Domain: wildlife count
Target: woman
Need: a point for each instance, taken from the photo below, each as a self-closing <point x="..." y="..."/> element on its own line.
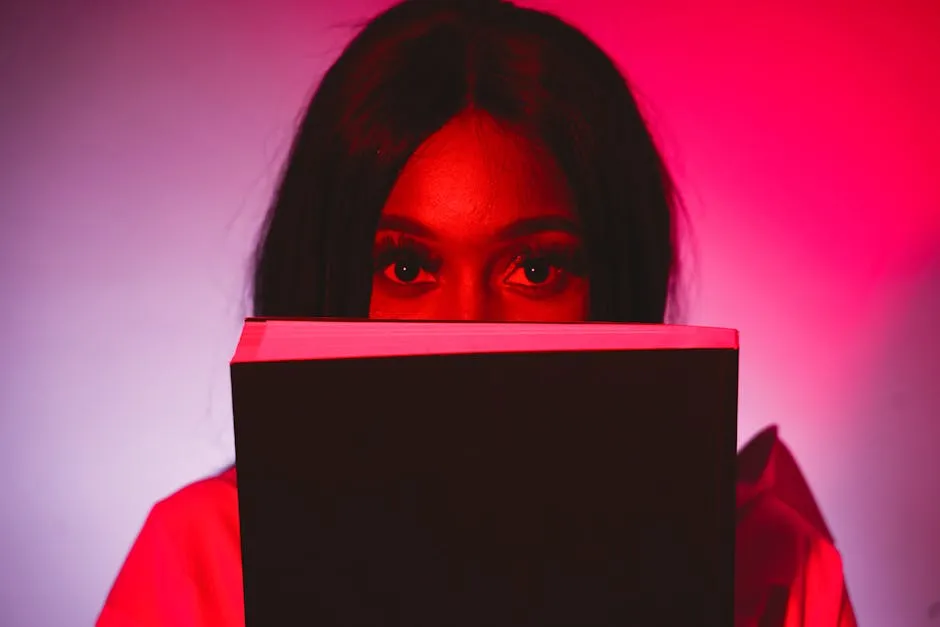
<point x="472" y="160"/>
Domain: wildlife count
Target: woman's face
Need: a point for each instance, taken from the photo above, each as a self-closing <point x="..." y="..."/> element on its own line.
<point x="479" y="226"/>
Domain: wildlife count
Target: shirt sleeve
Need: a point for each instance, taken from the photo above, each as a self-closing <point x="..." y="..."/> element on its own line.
<point x="818" y="597"/>
<point x="184" y="569"/>
<point x="787" y="574"/>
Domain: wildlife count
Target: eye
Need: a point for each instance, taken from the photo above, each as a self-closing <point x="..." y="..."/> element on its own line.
<point x="408" y="270"/>
<point x="545" y="270"/>
<point x="533" y="271"/>
<point x="405" y="262"/>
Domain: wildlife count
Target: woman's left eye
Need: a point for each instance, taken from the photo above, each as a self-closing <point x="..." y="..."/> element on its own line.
<point x="533" y="272"/>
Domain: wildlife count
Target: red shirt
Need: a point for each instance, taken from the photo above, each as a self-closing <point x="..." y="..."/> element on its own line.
<point x="184" y="569"/>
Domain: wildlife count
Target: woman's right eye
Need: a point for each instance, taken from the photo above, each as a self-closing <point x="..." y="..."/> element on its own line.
<point x="403" y="261"/>
<point x="408" y="270"/>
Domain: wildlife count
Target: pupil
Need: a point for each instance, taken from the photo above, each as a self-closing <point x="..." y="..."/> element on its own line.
<point x="537" y="271"/>
<point x="406" y="271"/>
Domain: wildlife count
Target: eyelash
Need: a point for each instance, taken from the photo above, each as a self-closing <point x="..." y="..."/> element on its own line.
<point x="392" y="249"/>
<point x="563" y="257"/>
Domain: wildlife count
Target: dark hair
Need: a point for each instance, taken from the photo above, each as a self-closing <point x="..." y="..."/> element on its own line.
<point x="408" y="72"/>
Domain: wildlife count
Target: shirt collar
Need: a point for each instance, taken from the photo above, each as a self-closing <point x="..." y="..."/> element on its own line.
<point x="767" y="467"/>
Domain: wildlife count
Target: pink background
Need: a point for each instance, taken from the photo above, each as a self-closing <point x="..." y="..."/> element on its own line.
<point x="140" y="141"/>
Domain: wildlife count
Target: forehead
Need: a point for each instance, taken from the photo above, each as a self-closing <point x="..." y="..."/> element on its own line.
<point x="474" y="177"/>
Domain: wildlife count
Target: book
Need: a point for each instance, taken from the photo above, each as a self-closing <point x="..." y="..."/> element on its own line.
<point x="512" y="474"/>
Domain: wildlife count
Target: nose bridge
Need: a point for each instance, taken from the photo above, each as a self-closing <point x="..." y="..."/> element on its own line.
<point x="466" y="299"/>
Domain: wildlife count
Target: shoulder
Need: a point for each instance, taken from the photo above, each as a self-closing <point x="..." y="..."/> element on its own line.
<point x="774" y="501"/>
<point x="185" y="564"/>
<point x="209" y="502"/>
<point x="786" y="570"/>
<point x="198" y="520"/>
<point x="775" y="536"/>
<point x="786" y="562"/>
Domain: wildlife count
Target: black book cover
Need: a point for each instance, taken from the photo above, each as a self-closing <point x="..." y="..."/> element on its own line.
<point x="547" y="488"/>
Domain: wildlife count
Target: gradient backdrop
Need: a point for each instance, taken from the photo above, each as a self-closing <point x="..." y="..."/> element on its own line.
<point x="139" y="145"/>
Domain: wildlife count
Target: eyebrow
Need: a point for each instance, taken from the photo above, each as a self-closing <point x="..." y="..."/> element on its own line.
<point x="519" y="228"/>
